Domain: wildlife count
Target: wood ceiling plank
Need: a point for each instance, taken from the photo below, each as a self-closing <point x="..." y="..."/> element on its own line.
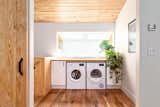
<point x="77" y="10"/>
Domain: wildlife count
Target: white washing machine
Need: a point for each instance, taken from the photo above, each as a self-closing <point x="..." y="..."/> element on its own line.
<point x="96" y="75"/>
<point x="76" y="75"/>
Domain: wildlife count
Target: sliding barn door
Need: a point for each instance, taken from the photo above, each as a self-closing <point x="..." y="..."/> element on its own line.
<point x="13" y="53"/>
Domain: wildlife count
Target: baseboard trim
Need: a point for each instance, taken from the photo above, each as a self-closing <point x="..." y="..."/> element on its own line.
<point x="58" y="87"/>
<point x="113" y="87"/>
<point x="129" y="94"/>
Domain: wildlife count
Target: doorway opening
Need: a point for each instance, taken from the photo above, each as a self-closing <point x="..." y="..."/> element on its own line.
<point x="47" y="59"/>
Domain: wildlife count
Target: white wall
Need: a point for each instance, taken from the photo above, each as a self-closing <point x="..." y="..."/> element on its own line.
<point x="127" y="14"/>
<point x="45" y="34"/>
<point x="149" y="63"/>
<point x="31" y="53"/>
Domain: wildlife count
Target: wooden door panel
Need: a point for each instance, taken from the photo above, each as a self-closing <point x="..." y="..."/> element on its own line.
<point x="13" y="87"/>
<point x="7" y="54"/>
<point x="22" y="52"/>
<point x="7" y="76"/>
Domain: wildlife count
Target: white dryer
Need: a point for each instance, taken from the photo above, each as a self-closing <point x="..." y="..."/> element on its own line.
<point x="96" y="74"/>
<point x="76" y="75"/>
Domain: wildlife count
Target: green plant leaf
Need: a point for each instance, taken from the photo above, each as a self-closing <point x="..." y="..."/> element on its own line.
<point x="104" y="45"/>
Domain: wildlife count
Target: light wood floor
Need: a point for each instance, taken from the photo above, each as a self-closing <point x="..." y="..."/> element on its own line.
<point x="86" y="98"/>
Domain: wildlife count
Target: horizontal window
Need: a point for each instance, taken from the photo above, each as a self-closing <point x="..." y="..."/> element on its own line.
<point x="84" y="44"/>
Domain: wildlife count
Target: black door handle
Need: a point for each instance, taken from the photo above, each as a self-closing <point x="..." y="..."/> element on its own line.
<point x="20" y="66"/>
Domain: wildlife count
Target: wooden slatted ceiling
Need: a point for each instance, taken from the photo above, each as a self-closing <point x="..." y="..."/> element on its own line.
<point x="77" y="10"/>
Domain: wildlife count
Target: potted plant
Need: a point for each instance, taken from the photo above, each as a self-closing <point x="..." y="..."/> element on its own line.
<point x="114" y="61"/>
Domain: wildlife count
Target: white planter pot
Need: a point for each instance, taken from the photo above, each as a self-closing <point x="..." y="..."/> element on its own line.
<point x="111" y="78"/>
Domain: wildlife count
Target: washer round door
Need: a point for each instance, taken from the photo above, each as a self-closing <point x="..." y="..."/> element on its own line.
<point x="75" y="75"/>
<point x="95" y="75"/>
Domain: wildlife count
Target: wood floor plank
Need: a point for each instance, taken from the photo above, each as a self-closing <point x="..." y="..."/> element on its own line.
<point x="86" y="98"/>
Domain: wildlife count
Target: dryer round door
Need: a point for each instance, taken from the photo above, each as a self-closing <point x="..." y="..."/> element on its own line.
<point x="95" y="75"/>
<point x="75" y="75"/>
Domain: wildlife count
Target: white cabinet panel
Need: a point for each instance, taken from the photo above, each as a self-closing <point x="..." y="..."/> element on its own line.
<point x="58" y="74"/>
